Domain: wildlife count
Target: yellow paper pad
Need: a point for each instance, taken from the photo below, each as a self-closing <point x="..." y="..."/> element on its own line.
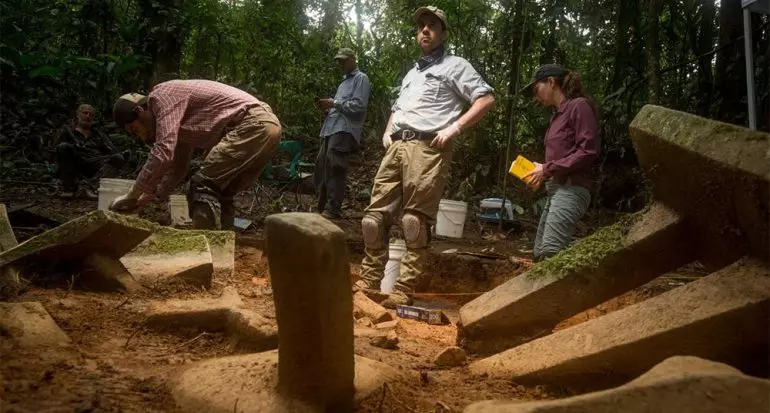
<point x="521" y="167"/>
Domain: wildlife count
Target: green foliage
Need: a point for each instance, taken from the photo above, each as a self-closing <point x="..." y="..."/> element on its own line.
<point x="57" y="54"/>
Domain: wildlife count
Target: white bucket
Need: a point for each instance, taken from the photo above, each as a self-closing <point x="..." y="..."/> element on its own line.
<point x="451" y="218"/>
<point x="396" y="251"/>
<point x="109" y="189"/>
<point x="177" y="207"/>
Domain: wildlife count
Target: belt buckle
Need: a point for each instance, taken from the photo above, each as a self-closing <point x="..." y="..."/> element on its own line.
<point x="408" y="135"/>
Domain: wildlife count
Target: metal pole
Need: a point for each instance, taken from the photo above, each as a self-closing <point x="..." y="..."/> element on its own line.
<point x="749" y="68"/>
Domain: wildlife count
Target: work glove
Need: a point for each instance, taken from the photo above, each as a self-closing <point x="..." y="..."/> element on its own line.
<point x="126" y="203"/>
<point x="445" y="136"/>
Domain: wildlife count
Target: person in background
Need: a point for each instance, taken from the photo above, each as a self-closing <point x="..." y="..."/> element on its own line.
<point x="240" y="132"/>
<point x="571" y="146"/>
<point x="425" y="119"/>
<point x="340" y="134"/>
<point x="84" y="152"/>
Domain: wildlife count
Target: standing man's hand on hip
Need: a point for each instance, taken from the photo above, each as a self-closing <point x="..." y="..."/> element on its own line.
<point x="445" y="136"/>
<point x="386" y="140"/>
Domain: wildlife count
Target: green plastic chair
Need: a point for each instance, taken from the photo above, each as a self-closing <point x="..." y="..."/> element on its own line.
<point x="276" y="178"/>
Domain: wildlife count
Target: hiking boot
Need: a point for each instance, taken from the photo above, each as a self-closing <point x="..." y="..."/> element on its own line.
<point x="395" y="299"/>
<point x="331" y="215"/>
<point x="85" y="193"/>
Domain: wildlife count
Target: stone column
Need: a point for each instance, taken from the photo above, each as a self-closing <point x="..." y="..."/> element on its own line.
<point x="310" y="275"/>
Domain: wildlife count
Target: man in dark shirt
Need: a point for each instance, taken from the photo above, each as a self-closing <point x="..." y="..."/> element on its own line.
<point x="84" y="152"/>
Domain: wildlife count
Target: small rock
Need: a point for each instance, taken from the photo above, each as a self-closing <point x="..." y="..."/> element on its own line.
<point x="363" y="306"/>
<point x="387" y="325"/>
<point x="450" y="357"/>
<point x="389" y="341"/>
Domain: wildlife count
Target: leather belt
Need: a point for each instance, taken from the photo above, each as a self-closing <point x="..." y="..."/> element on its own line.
<point x="410" y="135"/>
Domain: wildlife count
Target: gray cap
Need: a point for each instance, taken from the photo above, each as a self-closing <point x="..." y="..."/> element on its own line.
<point x="345" y="53"/>
<point x="432" y="10"/>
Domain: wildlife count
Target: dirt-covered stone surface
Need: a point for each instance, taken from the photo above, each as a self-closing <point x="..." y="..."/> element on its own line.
<point x="116" y="363"/>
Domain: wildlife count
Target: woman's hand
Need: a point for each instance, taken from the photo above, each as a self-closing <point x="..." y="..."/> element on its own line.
<point x="535" y="178"/>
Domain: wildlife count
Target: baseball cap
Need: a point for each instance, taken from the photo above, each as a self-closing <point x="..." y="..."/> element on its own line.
<point x="432" y="10"/>
<point x="543" y="72"/>
<point x="345" y="53"/>
<point x="124" y="112"/>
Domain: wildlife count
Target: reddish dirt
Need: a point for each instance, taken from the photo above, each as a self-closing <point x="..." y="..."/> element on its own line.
<point x="117" y="364"/>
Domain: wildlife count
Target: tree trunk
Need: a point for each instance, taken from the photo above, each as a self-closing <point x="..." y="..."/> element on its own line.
<point x="164" y="39"/>
<point x="627" y="11"/>
<point x="653" y="51"/>
<point x="548" y="54"/>
<point x="518" y="19"/>
<point x="359" y="30"/>
<point x="730" y="79"/>
<point x="705" y="42"/>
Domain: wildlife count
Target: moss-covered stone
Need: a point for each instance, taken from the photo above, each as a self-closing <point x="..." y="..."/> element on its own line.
<point x="217" y="238"/>
<point x="588" y="253"/>
<point x="172" y="244"/>
<point x="731" y="144"/>
<point x="107" y="232"/>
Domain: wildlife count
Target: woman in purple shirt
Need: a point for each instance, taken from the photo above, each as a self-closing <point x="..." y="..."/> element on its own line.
<point x="571" y="146"/>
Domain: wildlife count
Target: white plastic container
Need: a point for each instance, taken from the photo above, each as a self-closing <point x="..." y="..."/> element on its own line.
<point x="451" y="218"/>
<point x="396" y="251"/>
<point x="109" y="189"/>
<point x="177" y="207"/>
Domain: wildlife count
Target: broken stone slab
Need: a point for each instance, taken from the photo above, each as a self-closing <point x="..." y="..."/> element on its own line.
<point x="678" y="384"/>
<point x="248" y="330"/>
<point x="103" y="273"/>
<point x="10" y="278"/>
<point x="722" y="317"/>
<point x="221" y="245"/>
<point x="185" y="259"/>
<point x="310" y="276"/>
<point x="450" y="357"/>
<point x="28" y="325"/>
<point x="714" y="174"/>
<point x="7" y="237"/>
<point x="315" y="369"/>
<point x="205" y="313"/>
<point x="365" y="307"/>
<point x="248" y="382"/>
<point x="610" y="262"/>
<point x="107" y="233"/>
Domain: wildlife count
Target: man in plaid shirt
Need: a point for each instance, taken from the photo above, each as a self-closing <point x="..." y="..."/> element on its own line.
<point x="239" y="132"/>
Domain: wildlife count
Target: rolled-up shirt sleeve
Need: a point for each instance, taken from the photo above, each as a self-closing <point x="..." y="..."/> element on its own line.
<point x="468" y="83"/>
<point x="168" y="112"/>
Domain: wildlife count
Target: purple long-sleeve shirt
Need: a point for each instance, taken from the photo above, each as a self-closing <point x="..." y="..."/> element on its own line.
<point x="571" y="143"/>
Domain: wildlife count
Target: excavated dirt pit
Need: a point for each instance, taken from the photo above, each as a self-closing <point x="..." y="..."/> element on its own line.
<point x="118" y="364"/>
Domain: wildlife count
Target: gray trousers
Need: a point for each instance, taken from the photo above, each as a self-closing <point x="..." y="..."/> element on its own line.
<point x="565" y="205"/>
<point x="331" y="171"/>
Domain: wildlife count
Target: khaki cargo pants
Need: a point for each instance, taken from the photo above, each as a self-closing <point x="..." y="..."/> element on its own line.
<point x="231" y="166"/>
<point x="411" y="178"/>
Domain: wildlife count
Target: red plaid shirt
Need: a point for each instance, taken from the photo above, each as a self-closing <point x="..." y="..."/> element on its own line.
<point x="191" y="114"/>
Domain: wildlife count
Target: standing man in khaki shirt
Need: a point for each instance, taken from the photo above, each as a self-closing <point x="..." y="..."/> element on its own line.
<point x="425" y="119"/>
